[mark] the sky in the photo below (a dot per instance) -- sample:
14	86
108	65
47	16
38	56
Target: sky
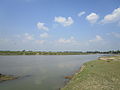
60	25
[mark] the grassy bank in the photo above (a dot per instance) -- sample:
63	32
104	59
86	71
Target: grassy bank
6	77
102	74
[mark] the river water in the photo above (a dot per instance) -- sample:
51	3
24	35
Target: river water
40	72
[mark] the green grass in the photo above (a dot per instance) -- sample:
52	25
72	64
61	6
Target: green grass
97	75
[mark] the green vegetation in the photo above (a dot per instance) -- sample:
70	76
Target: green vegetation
102	74
55	53
6	77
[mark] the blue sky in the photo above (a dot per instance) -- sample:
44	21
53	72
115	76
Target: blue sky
60	25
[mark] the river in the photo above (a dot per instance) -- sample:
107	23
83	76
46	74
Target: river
40	72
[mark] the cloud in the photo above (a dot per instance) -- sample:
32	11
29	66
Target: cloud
97	39
27	36
113	17
28	39
92	18
44	35
40	41
42	26
64	21
115	34
81	13
69	40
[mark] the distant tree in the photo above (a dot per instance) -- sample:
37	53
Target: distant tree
23	50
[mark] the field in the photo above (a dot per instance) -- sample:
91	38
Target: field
102	74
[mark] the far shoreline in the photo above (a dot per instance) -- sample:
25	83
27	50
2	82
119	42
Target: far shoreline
57	53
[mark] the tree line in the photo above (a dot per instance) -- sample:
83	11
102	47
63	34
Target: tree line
24	52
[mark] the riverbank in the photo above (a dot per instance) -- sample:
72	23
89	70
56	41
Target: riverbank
101	74
6	77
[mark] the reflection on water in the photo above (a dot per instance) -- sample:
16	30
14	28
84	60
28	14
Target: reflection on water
40	72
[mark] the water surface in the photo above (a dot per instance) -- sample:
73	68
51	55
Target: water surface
40	72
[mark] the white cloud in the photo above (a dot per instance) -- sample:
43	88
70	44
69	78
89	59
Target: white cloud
42	26
92	18
40	41
113	17
81	13
44	35
115	34
64	21
97	39
27	36
69	40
